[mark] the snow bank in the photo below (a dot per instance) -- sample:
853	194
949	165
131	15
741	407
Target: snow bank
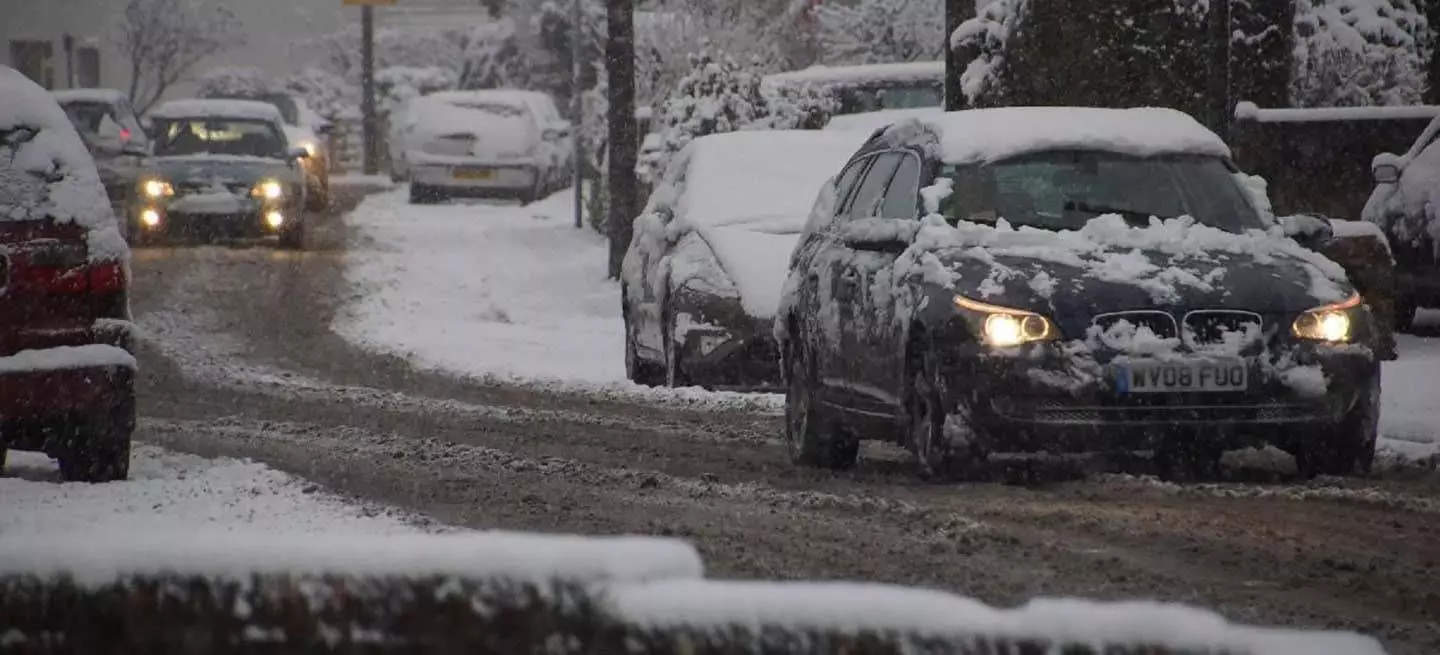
55	152
218	108
66	357
851	607
510	555
986	135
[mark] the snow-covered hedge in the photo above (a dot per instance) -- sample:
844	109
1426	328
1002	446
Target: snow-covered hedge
233	82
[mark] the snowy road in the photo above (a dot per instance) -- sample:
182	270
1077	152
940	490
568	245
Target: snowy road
241	361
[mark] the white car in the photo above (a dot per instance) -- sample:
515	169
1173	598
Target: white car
481	143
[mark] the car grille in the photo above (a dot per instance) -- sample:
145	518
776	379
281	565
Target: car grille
1218	327
1170	411
1158	322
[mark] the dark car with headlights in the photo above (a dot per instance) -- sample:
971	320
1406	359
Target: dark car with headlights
222	169
707	262
113	135
1022	280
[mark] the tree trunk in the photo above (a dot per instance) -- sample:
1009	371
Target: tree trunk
956	12
620	65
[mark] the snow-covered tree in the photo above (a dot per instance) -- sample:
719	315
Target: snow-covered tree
1359	52
397	84
162	40
982	42
233	82
328	94
880	31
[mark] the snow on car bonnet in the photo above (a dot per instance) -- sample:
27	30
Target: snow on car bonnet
987	135
241	109
45	170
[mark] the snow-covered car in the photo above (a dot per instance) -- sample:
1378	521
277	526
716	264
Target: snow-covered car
997	281
702	277
1406	206
303	129
498	142
113	135
872	87
870	121
66	371
222	168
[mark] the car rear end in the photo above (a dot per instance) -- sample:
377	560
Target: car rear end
454	150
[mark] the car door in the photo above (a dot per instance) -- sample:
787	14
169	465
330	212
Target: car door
648	275
847	281
819	323
880	358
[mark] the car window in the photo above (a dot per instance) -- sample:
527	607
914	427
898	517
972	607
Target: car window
218	136
903	195
845	184
866	201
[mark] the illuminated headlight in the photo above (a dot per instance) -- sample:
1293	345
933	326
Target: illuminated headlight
1004	327
150	217
1329	323
269	190
157	189
310	148
274	219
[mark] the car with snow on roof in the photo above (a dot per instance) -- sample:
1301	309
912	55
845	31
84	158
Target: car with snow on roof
1406	206
1067	280
66	370
702	276
113	135
303	129
490	143
222	168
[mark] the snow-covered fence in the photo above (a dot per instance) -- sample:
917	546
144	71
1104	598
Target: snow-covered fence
512	593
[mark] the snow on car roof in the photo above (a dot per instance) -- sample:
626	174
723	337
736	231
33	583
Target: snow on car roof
739	177
109	96
508	96
986	135
219	108
870	121
1253	112
54	152
915	70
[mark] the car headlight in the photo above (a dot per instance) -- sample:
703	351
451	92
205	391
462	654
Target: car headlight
1327	323
310	148
269	190
1003	326
157	189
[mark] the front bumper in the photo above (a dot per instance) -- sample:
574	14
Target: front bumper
1049	400
238	217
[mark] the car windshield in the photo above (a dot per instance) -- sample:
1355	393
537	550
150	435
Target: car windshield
217	136
1064	190
901	96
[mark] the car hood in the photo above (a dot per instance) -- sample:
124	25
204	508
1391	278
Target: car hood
756	260
222	170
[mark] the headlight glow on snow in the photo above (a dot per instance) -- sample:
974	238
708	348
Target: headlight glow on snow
269	190
1004	327
1328	323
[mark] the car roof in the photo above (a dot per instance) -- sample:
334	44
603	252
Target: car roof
219	108
986	135
509	96
108	96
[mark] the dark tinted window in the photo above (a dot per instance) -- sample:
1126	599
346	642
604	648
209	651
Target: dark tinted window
903	196
218	136
866	201
1064	190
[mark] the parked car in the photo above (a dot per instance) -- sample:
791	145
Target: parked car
222	168
872	87
1406	206
114	137
996	281
481	143
66	369
703	274
303	129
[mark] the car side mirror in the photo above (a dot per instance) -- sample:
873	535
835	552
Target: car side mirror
879	234
1386	168
1310	230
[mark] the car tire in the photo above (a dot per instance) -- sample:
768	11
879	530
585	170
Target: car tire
674	370
99	450
1405	310
810	439
637	370
930	423
1348	447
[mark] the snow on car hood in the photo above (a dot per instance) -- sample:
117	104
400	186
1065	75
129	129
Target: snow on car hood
222	169
1109	265
757	262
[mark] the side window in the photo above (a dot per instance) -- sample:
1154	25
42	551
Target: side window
866	202
129	120
902	198
846	184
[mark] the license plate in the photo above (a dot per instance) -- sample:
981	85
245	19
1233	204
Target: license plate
473	173
1179	377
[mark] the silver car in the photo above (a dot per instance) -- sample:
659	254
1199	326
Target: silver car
111	131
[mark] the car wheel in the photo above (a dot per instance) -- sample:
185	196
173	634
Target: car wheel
942	441
99	450
1347	447
674	366
638	370
1405	310
809	438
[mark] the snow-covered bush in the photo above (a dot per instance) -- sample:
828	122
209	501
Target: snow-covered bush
397	84
881	31
328	94
1359	52
233	82
982	41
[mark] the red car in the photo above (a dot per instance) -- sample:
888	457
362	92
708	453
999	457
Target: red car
66	368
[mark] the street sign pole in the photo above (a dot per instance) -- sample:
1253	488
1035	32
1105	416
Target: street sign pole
367	101
577	107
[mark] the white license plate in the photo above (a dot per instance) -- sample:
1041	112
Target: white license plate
1179	377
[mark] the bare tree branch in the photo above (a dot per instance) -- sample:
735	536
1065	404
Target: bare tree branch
164	39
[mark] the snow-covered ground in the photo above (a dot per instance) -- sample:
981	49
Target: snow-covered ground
494	290
1409	419
170	492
